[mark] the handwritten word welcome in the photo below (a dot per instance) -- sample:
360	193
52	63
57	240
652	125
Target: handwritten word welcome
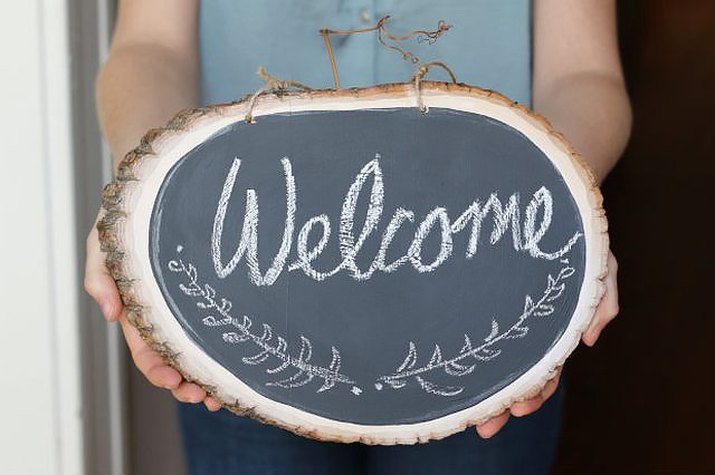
526	233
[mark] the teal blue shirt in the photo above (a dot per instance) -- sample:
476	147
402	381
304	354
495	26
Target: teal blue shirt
489	44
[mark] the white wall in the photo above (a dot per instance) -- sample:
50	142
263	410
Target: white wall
40	410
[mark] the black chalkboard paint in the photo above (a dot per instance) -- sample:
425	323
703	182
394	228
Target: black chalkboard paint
430	330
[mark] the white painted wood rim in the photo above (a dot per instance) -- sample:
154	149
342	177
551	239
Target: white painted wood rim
171	145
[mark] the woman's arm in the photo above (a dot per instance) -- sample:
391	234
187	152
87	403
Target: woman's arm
578	85
151	74
578	81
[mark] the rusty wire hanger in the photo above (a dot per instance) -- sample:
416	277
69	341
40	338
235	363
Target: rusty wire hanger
383	36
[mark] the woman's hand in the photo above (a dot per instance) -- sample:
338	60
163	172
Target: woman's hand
605	312
608	307
578	85
151	73
100	285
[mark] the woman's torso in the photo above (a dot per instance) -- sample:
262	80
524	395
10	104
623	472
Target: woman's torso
489	44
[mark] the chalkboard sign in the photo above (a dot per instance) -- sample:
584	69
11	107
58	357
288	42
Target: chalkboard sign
350	268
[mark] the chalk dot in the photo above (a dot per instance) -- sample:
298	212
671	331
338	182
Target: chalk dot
356	390
179	248
378	386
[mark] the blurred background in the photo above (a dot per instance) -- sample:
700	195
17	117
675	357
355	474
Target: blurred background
640	402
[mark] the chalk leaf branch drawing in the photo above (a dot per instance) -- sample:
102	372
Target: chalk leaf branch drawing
462	364
269	347
465	362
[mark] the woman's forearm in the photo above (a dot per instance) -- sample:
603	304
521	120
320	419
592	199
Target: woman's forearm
139	87
593	111
578	81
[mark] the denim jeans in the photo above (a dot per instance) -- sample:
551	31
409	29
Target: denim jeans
224	444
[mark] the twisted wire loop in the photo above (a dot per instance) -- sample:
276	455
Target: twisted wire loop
272	85
419	75
382	36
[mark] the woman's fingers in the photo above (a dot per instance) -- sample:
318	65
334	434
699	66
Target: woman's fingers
189	392
528	406
551	386
98	283
148	361
608	307
493	425
160	374
212	404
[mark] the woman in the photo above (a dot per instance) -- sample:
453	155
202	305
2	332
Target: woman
168	55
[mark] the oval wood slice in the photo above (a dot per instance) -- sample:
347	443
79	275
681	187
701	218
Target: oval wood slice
351	269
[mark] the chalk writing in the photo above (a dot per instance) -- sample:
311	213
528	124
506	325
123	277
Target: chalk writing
527	233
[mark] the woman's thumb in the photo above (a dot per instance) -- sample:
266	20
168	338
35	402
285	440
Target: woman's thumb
98	282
